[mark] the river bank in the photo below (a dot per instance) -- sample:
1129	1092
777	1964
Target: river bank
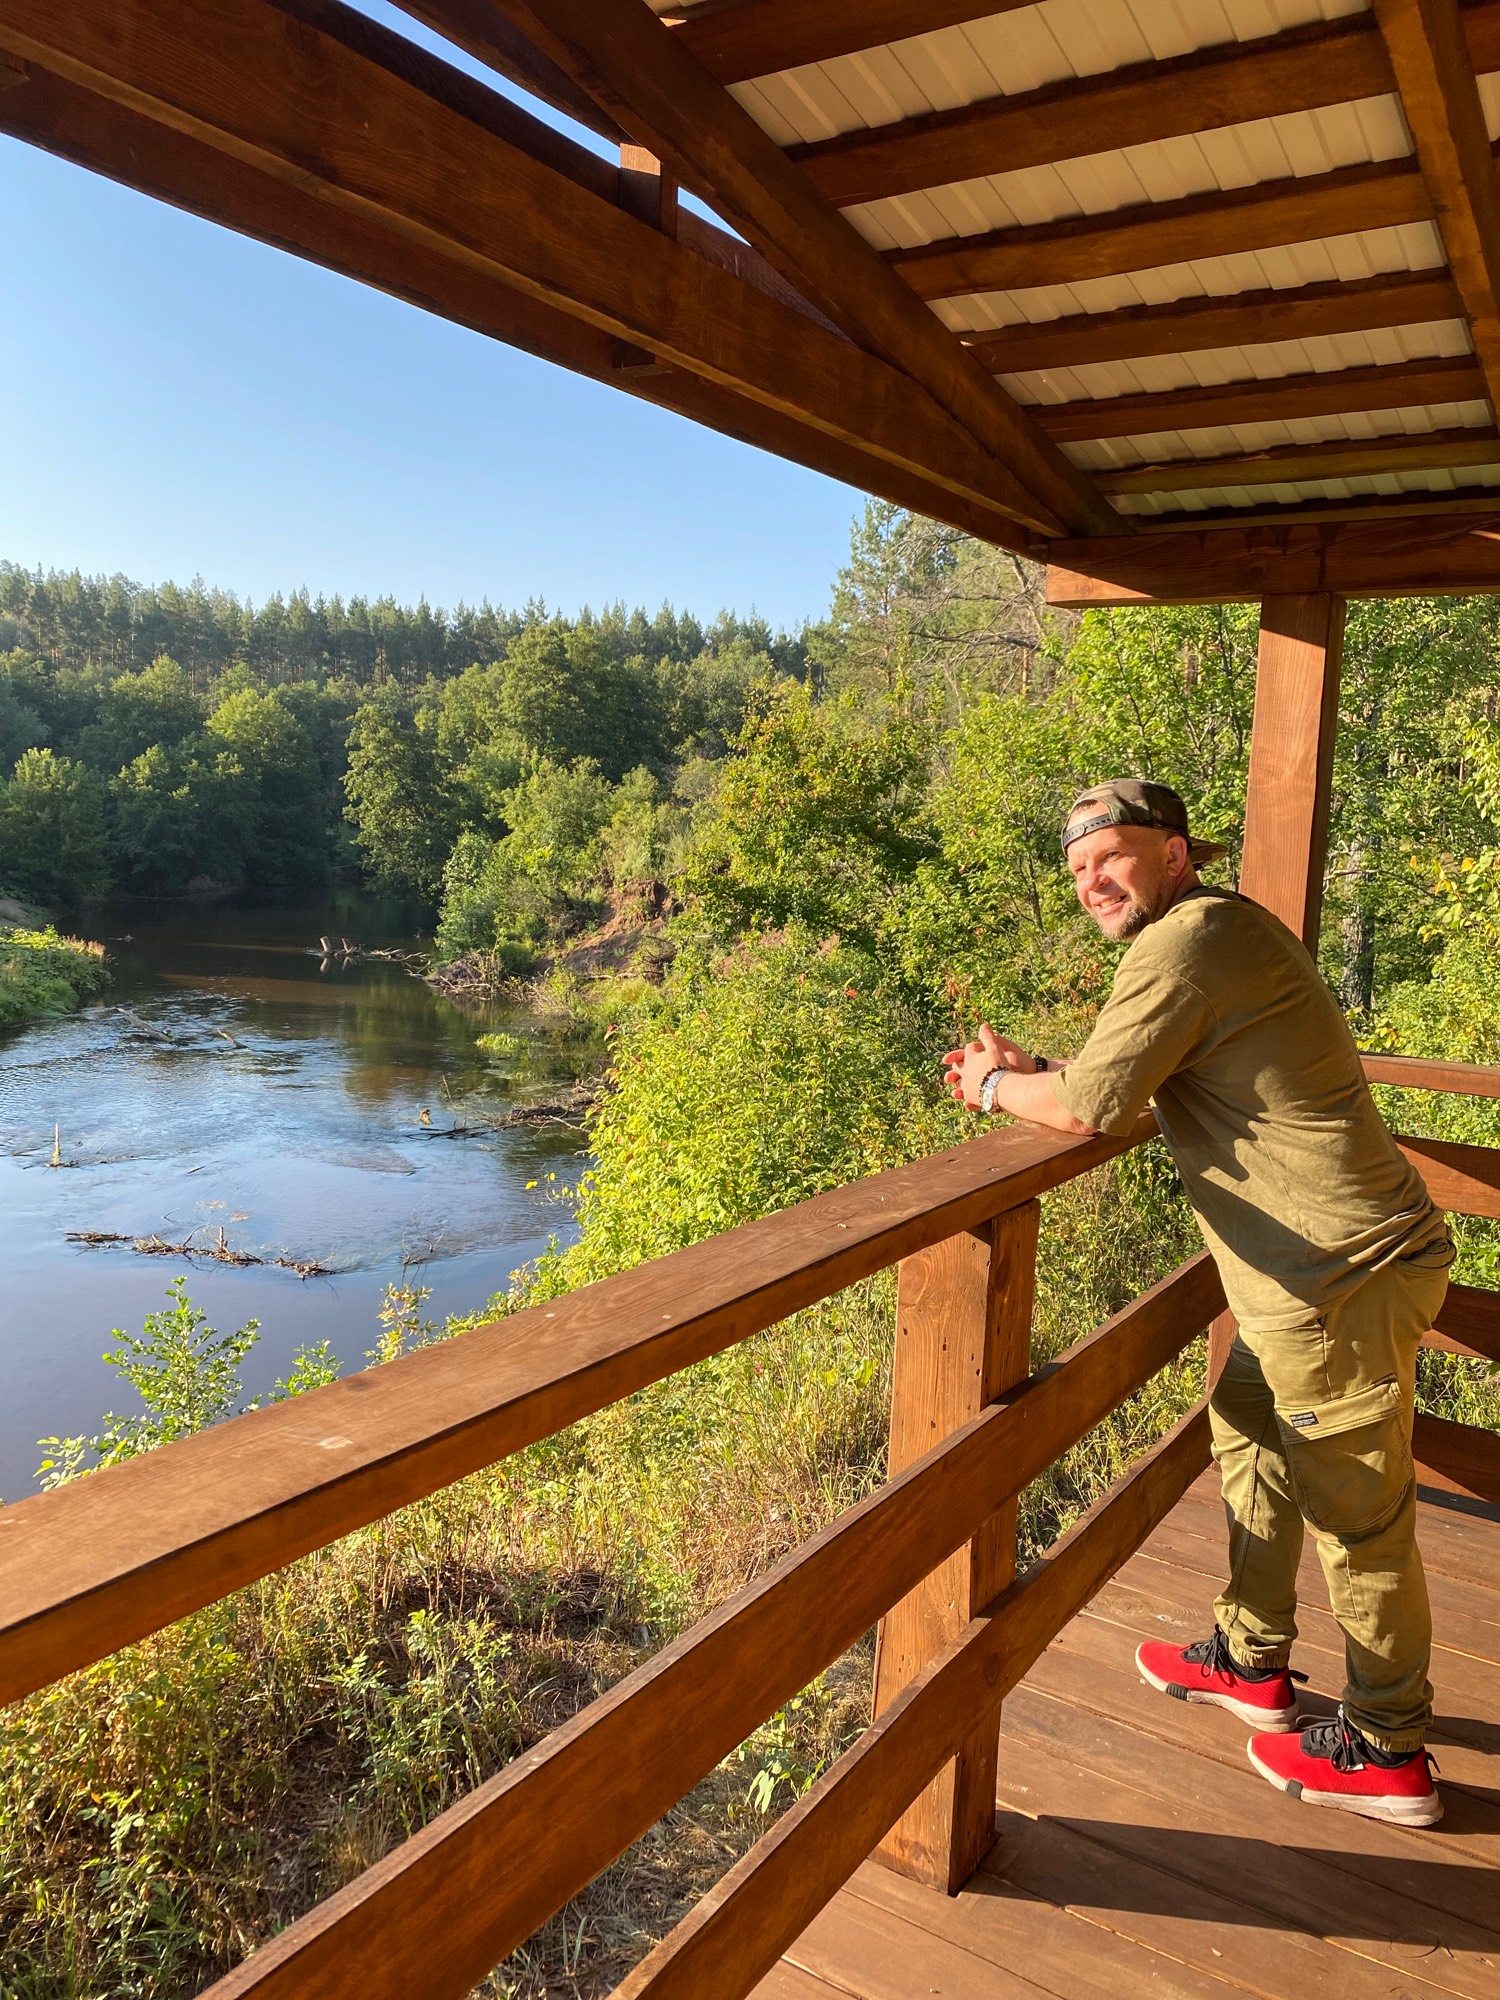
43	973
232	1079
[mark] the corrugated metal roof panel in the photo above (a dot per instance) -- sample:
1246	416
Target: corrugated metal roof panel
1333	491
1226	440
1383	347
1366	254
1267	149
1370	254
1003	54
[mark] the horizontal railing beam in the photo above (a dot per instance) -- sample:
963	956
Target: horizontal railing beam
102	1561
1468	1323
1458	1458
737	1932
1464	1179
1427	1073
434	1916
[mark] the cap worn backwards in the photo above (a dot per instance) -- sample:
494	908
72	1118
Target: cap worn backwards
1135	802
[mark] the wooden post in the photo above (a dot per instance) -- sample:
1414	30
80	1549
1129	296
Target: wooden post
1291	778
963	1336
1291	758
648	193
651	197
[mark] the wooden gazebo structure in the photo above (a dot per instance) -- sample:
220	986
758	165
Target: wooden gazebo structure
1193	300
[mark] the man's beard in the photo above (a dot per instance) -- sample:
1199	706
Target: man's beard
1139	914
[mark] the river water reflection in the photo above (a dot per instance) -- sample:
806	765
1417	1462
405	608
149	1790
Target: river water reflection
302	1137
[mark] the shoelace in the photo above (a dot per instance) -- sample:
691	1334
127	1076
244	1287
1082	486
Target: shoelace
1344	1746
1213	1653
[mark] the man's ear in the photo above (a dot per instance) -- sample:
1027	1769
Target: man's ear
1178	853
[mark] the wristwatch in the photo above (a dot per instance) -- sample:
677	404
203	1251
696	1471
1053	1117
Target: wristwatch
991	1083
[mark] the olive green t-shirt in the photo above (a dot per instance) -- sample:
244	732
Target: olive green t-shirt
1220	1019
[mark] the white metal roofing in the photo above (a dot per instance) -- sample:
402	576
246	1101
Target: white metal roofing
1057	39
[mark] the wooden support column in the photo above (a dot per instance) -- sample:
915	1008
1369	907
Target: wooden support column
963	1336
1291	778
1291	758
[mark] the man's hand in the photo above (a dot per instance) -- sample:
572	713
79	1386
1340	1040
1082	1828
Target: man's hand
966	1068
1025	1092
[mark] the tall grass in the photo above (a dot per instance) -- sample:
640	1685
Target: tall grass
42	972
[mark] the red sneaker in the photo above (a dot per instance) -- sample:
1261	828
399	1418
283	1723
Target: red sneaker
1206	1671
1331	1764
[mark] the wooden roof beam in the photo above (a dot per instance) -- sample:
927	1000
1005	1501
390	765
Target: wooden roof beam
738	39
1267	400
1263	216
1458	502
652	84
1300	69
1305	68
1241	319
1350	458
1417	555
320	99
1440	96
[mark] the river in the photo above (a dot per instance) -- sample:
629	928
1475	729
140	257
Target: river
232	1079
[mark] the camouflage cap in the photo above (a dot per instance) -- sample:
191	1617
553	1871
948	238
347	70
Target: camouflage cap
1135	802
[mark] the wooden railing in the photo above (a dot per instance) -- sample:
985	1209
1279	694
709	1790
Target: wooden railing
931	1554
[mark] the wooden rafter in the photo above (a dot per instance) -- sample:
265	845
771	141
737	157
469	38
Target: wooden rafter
1353	458
643	76
1440	96
1242	319
736	39
1305	68
1300	69
1433	554
299	91
1263	216
1268	400
1403	509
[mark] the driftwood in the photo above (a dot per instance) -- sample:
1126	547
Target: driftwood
570	1111
415	962
221	1252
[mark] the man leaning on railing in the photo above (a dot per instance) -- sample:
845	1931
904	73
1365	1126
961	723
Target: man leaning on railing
1334	1262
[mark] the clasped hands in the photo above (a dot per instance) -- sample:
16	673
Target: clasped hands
965	1069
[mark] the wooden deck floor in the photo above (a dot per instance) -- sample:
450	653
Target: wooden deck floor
1139	1853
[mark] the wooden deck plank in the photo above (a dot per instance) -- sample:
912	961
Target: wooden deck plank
1213	1828
1395	1859
1138	1851
1002	1922
1089	1665
1211	1929
790	1982
879	1954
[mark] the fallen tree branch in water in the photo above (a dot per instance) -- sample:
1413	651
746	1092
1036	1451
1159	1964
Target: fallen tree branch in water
222	1252
570	1110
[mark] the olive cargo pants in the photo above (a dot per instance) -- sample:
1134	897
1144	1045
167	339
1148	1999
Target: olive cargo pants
1313	1424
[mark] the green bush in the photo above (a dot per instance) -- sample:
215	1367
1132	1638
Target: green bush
44	973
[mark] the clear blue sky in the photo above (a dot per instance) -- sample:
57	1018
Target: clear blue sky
182	401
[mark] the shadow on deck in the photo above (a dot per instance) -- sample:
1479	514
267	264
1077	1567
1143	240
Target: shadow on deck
1139	1852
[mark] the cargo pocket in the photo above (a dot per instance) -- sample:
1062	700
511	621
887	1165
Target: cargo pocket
1332	1414
1349	1460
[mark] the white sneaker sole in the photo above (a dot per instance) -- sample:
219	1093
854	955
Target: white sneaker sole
1274	1721
1395	1811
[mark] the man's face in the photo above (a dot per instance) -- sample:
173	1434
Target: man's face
1128	876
